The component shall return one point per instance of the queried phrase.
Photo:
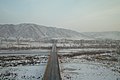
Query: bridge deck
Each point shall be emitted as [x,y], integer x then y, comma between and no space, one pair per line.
[52,70]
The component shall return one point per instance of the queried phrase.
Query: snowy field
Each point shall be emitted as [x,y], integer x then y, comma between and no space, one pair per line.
[31,64]
[86,71]
[22,72]
[90,67]
[23,64]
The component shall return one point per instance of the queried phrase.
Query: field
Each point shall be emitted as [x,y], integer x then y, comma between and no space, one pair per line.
[78,60]
[92,67]
[90,60]
[23,64]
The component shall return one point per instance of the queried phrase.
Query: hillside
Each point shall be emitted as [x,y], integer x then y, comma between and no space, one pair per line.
[115,35]
[36,32]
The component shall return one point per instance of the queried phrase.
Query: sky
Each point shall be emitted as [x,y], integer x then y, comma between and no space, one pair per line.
[78,15]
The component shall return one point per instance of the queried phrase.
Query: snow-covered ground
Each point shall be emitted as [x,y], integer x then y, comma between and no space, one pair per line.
[86,71]
[22,72]
[90,67]
[23,64]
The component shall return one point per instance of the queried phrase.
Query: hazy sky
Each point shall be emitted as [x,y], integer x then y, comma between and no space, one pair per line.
[79,15]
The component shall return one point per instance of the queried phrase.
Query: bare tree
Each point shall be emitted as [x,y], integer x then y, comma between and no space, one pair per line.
[6,39]
[18,41]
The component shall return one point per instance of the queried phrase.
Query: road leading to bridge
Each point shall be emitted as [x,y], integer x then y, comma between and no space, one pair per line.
[52,70]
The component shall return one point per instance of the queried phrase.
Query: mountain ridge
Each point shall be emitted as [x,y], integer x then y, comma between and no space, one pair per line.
[36,32]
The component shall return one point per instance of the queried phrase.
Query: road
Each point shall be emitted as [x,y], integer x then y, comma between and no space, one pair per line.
[52,70]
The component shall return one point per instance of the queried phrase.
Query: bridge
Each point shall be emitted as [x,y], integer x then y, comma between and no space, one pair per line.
[52,71]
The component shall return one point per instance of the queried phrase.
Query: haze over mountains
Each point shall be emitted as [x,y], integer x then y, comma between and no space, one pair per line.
[36,32]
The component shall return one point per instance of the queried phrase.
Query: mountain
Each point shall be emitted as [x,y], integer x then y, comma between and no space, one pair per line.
[115,35]
[36,32]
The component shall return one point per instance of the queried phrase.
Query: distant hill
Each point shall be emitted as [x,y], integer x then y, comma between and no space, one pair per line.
[115,35]
[36,32]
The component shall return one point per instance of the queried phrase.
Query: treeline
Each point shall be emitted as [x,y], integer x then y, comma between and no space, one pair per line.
[24,48]
[86,53]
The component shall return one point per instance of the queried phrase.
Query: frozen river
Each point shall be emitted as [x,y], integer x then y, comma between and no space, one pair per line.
[25,52]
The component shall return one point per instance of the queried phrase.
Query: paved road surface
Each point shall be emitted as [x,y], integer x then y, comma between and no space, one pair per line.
[52,70]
